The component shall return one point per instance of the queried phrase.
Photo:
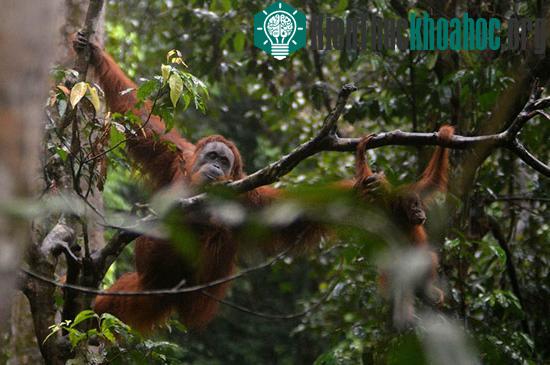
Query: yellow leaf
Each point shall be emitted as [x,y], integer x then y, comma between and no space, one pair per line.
[170,54]
[64,89]
[94,98]
[77,93]
[175,56]
[176,88]
[165,71]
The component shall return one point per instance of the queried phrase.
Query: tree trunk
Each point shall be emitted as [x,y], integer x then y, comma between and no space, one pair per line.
[27,30]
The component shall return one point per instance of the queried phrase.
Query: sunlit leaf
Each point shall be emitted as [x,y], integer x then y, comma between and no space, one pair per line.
[117,137]
[62,153]
[77,93]
[75,336]
[82,316]
[171,53]
[94,98]
[165,70]
[64,89]
[176,88]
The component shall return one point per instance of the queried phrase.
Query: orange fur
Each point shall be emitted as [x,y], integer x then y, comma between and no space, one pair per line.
[142,312]
[434,178]
[159,265]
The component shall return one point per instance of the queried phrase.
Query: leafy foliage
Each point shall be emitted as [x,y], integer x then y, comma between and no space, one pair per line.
[105,339]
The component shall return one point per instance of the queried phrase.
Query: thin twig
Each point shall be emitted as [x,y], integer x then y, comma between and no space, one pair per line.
[289,316]
[176,290]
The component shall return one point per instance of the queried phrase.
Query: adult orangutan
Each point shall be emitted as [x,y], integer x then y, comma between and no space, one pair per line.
[405,206]
[159,265]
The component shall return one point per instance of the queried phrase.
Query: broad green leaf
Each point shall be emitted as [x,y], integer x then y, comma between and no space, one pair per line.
[82,316]
[94,98]
[77,92]
[186,100]
[165,70]
[146,89]
[108,334]
[75,336]
[167,117]
[176,88]
[116,136]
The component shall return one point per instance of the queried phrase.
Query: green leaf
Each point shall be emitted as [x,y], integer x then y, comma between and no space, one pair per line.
[168,118]
[108,334]
[116,137]
[62,154]
[498,252]
[75,336]
[77,92]
[238,42]
[82,316]
[176,88]
[186,100]
[146,89]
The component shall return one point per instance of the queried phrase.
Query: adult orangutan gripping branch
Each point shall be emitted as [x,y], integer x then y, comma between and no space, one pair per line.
[159,265]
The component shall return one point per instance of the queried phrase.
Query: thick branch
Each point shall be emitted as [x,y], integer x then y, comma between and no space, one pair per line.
[275,170]
[90,25]
[102,259]
[400,138]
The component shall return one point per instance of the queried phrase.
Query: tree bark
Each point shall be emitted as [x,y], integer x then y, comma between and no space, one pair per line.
[27,30]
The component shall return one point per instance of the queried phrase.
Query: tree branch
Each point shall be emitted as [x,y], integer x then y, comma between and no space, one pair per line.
[83,58]
[90,26]
[178,289]
[102,259]
[327,141]
[516,147]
